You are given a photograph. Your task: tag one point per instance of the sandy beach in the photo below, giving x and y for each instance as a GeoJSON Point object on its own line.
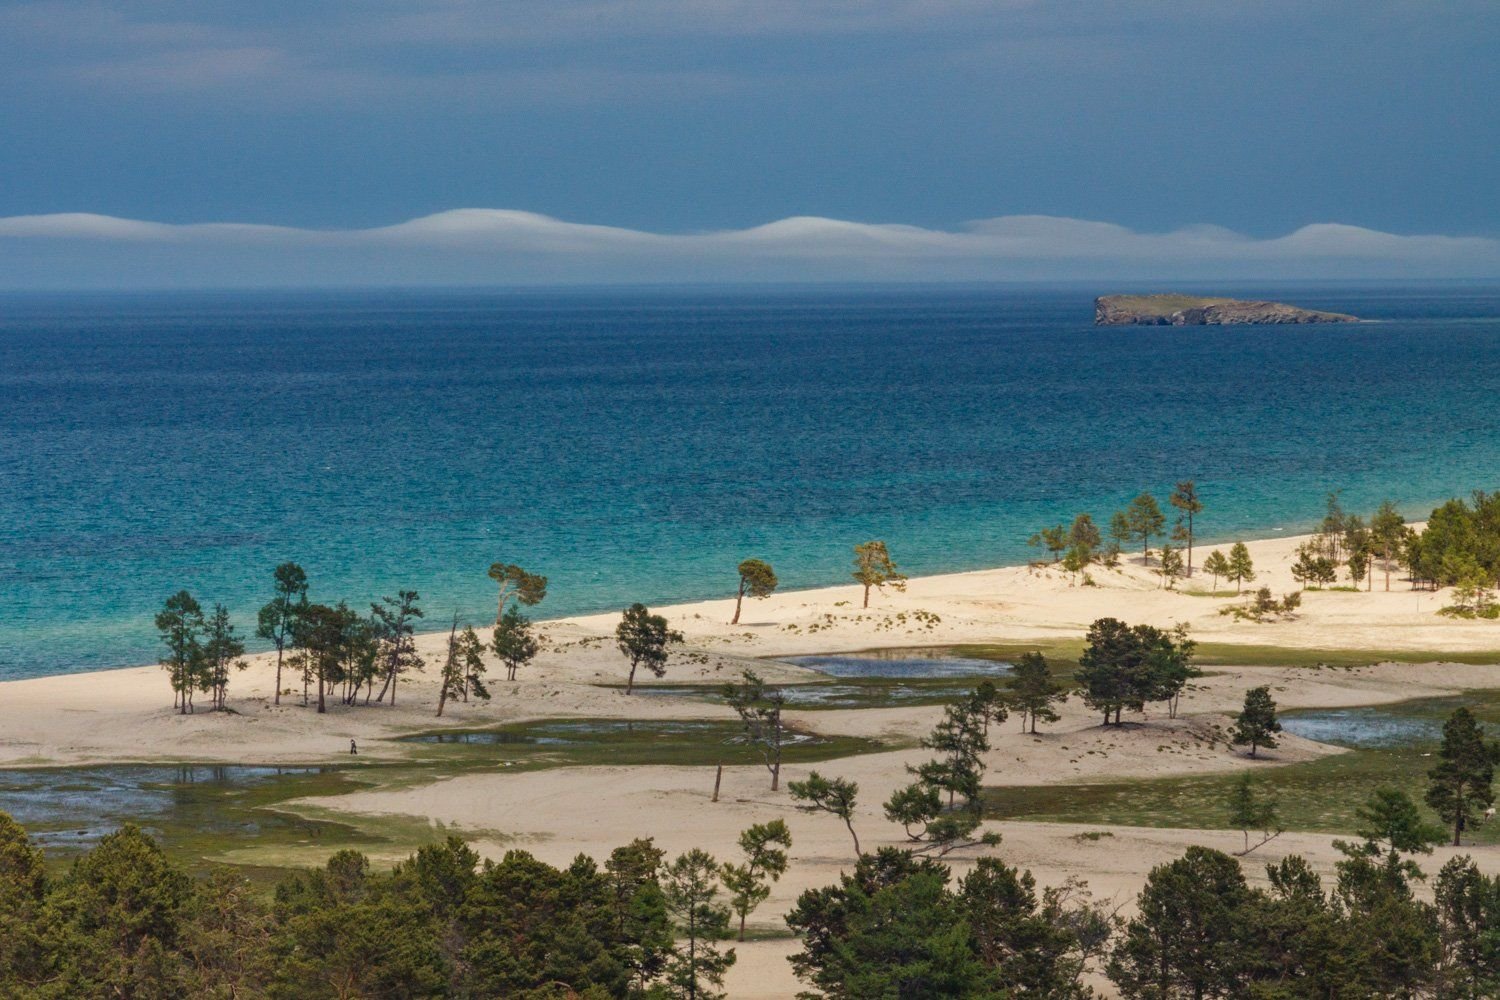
{"type": "Point", "coordinates": [126, 715]}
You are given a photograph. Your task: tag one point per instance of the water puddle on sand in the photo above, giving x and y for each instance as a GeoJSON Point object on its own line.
{"type": "Point", "coordinates": [1405, 724]}
{"type": "Point", "coordinates": [75, 807]}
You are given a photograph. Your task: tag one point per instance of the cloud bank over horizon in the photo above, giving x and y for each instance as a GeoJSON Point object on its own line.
{"type": "Point", "coordinates": [499, 247]}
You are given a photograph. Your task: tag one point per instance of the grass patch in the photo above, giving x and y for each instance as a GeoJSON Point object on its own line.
{"type": "Point", "coordinates": [1318, 795]}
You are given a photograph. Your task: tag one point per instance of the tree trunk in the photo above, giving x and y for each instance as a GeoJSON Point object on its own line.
{"type": "Point", "coordinates": [850, 825]}
{"type": "Point", "coordinates": [776, 775]}
{"type": "Point", "coordinates": [867, 595]}
{"type": "Point", "coordinates": [630, 682]}
{"type": "Point", "coordinates": [1190, 544]}
{"type": "Point", "coordinates": [718, 778]}
{"type": "Point", "coordinates": [739, 599]}
{"type": "Point", "coordinates": [277, 699]}
{"type": "Point", "coordinates": [321, 706]}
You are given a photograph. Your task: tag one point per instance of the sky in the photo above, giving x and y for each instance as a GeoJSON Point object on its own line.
{"type": "Point", "coordinates": [537, 141]}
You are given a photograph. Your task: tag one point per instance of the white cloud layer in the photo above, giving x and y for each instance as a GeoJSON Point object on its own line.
{"type": "Point", "coordinates": [504, 247]}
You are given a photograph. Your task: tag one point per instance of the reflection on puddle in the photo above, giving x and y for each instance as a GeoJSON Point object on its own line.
{"type": "Point", "coordinates": [77, 806]}
{"type": "Point", "coordinates": [1362, 727]}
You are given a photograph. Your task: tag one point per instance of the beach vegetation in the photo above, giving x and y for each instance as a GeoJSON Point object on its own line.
{"type": "Point", "coordinates": [696, 967]}
{"type": "Point", "coordinates": [831, 795]}
{"type": "Point", "coordinates": [874, 568]}
{"type": "Point", "coordinates": [1216, 566]}
{"type": "Point", "coordinates": [514, 641]}
{"type": "Point", "coordinates": [1171, 568]}
{"type": "Point", "coordinates": [1186, 500]}
{"type": "Point", "coordinates": [1240, 568]}
{"type": "Point", "coordinates": [277, 620]}
{"type": "Point", "coordinates": [395, 620]}
{"type": "Point", "coordinates": [181, 626]}
{"type": "Point", "coordinates": [1256, 726]}
{"type": "Point", "coordinates": [463, 668]}
{"type": "Point", "coordinates": [1252, 809]}
{"type": "Point", "coordinates": [1032, 691]}
{"type": "Point", "coordinates": [1124, 666]}
{"type": "Point", "coordinates": [1388, 536]}
{"type": "Point", "coordinates": [516, 583]}
{"type": "Point", "coordinates": [223, 651]}
{"type": "Point", "coordinates": [1141, 521]}
{"type": "Point", "coordinates": [645, 640]}
{"type": "Point", "coordinates": [1312, 568]}
{"type": "Point", "coordinates": [1054, 540]}
{"type": "Point", "coordinates": [893, 927]}
{"type": "Point", "coordinates": [759, 707]}
{"type": "Point", "coordinates": [1461, 786]}
{"type": "Point", "coordinates": [765, 846]}
{"type": "Point", "coordinates": [757, 580]}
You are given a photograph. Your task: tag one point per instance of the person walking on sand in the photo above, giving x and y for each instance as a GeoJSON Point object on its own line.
{"type": "Point", "coordinates": [353, 747]}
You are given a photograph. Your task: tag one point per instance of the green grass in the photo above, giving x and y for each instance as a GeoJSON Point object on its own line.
{"type": "Point", "coordinates": [257, 825]}
{"type": "Point", "coordinates": [1320, 795]}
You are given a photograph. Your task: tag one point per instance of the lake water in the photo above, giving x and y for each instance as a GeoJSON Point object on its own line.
{"type": "Point", "coordinates": [637, 445]}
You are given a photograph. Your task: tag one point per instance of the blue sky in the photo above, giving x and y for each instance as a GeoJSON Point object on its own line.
{"type": "Point", "coordinates": [670, 117]}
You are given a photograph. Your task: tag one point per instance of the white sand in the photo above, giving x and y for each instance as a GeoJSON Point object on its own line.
{"type": "Point", "coordinates": [125, 715]}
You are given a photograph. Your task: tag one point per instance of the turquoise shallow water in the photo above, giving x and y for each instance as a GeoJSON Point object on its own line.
{"type": "Point", "coordinates": [637, 445]}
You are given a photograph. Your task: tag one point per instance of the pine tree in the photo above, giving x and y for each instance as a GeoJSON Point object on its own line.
{"type": "Point", "coordinates": [1216, 566]}
{"type": "Point", "coordinates": [1461, 785]}
{"type": "Point", "coordinates": [645, 640]}
{"type": "Point", "coordinates": [1185, 498]}
{"type": "Point", "coordinates": [749, 884]}
{"type": "Point", "coordinates": [830, 795]}
{"type": "Point", "coordinates": [873, 567]}
{"type": "Point", "coordinates": [757, 579]}
{"type": "Point", "coordinates": [1240, 569]}
{"type": "Point", "coordinates": [1032, 691]}
{"type": "Point", "coordinates": [1256, 725]}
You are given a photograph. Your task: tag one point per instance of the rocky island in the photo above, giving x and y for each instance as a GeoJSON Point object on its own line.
{"type": "Point", "coordinates": [1193, 310]}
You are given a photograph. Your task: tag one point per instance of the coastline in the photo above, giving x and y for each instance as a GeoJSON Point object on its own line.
{"type": "Point", "coordinates": [120, 716]}
{"type": "Point", "coordinates": [125, 714]}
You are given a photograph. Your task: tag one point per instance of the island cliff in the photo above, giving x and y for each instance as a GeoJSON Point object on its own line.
{"type": "Point", "coordinates": [1191, 310]}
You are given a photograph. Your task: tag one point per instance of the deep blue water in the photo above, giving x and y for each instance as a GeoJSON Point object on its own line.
{"type": "Point", "coordinates": [636, 445]}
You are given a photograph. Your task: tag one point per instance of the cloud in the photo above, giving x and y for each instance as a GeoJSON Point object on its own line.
{"type": "Point", "coordinates": [499, 247]}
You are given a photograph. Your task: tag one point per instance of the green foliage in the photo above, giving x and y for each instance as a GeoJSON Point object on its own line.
{"type": "Point", "coordinates": [1468, 908]}
{"type": "Point", "coordinates": [759, 708]}
{"type": "Point", "coordinates": [873, 567]}
{"type": "Point", "coordinates": [463, 667]}
{"type": "Point", "coordinates": [395, 626]}
{"type": "Point", "coordinates": [1313, 568]}
{"type": "Point", "coordinates": [830, 795]}
{"type": "Point", "coordinates": [1185, 498]}
{"type": "Point", "coordinates": [1141, 521]}
{"type": "Point", "coordinates": [1185, 942]}
{"type": "Point", "coordinates": [1124, 666]}
{"type": "Point", "coordinates": [1053, 539]}
{"type": "Point", "coordinates": [1031, 690]}
{"type": "Point", "coordinates": [1216, 566]}
{"type": "Point", "coordinates": [1461, 542]}
{"type": "Point", "coordinates": [1172, 567]}
{"type": "Point", "coordinates": [1256, 726]}
{"type": "Point", "coordinates": [1240, 568]}
{"type": "Point", "coordinates": [222, 651]}
{"type": "Point", "coordinates": [514, 642]}
{"type": "Point", "coordinates": [757, 579]}
{"type": "Point", "coordinates": [894, 928]}
{"type": "Point", "coordinates": [1250, 810]}
{"type": "Point", "coordinates": [181, 625]}
{"type": "Point", "coordinates": [514, 582]}
{"type": "Point", "coordinates": [749, 884]}
{"type": "Point", "coordinates": [1461, 785]}
{"type": "Point", "coordinates": [690, 887]}
{"type": "Point", "coordinates": [277, 620]}
{"type": "Point", "coordinates": [645, 640]}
